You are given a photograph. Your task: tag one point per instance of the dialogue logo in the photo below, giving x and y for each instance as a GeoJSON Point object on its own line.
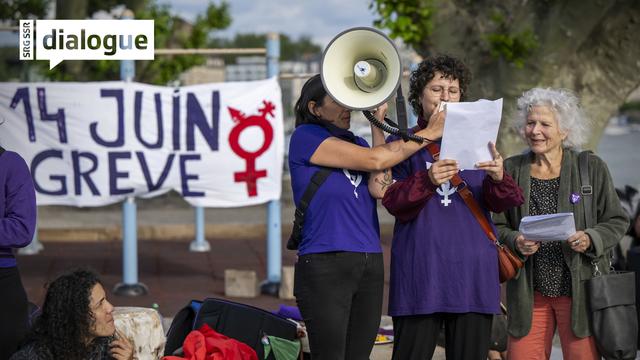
{"type": "Point", "coordinates": [58, 40]}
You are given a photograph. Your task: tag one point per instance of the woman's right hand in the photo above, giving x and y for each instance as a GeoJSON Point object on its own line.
{"type": "Point", "coordinates": [435, 126]}
{"type": "Point", "coordinates": [380, 112]}
{"type": "Point", "coordinates": [526, 247]}
{"type": "Point", "coordinates": [442, 171]}
{"type": "Point", "coordinates": [121, 349]}
{"type": "Point", "coordinates": [377, 134]}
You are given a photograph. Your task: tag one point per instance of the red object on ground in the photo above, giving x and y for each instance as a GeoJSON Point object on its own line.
{"type": "Point", "coordinates": [207, 344]}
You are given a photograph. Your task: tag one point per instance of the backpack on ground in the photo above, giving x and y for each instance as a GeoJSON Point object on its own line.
{"type": "Point", "coordinates": [242, 322]}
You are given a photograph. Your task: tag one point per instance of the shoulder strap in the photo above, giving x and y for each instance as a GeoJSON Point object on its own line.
{"type": "Point", "coordinates": [586, 190]}
{"type": "Point", "coordinates": [317, 180]}
{"type": "Point", "coordinates": [467, 196]}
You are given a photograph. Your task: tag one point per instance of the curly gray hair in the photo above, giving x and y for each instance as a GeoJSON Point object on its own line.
{"type": "Point", "coordinates": [565, 105]}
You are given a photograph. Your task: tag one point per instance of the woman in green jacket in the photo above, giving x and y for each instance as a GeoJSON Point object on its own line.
{"type": "Point", "coordinates": [549, 292]}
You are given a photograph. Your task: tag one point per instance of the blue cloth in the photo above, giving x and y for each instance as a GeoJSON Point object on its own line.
{"type": "Point", "coordinates": [341, 216]}
{"type": "Point", "coordinates": [289, 312]}
{"type": "Point", "coordinates": [17, 206]}
{"type": "Point", "coordinates": [442, 261]}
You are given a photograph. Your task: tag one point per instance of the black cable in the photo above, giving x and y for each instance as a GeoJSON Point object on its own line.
{"type": "Point", "coordinates": [403, 133]}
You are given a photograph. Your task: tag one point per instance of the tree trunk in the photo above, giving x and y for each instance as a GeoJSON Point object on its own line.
{"type": "Point", "coordinates": [73, 9]}
{"type": "Point", "coordinates": [591, 47]}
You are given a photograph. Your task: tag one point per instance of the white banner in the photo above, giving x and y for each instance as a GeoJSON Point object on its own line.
{"type": "Point", "coordinates": [93, 144]}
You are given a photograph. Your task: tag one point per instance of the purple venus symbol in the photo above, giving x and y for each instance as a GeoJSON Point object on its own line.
{"type": "Point", "coordinates": [574, 198]}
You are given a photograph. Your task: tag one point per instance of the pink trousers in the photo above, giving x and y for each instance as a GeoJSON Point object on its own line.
{"type": "Point", "coordinates": [549, 313]}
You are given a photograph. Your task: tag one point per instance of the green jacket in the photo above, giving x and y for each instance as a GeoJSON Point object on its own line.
{"type": "Point", "coordinates": [610, 222]}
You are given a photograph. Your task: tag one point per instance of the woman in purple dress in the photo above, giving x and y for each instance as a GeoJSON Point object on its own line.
{"type": "Point", "coordinates": [444, 270]}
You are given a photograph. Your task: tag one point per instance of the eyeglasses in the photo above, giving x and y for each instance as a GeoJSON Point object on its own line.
{"type": "Point", "coordinates": [436, 91]}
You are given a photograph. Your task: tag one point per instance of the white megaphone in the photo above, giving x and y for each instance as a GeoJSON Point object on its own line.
{"type": "Point", "coordinates": [361, 68]}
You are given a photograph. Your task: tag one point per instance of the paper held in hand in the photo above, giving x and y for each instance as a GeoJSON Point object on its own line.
{"type": "Point", "coordinates": [468, 129]}
{"type": "Point", "coordinates": [552, 227]}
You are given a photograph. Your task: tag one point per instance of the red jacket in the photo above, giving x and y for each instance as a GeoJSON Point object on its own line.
{"type": "Point", "coordinates": [207, 344]}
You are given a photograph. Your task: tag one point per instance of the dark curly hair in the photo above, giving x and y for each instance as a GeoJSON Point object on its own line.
{"type": "Point", "coordinates": [312, 90]}
{"type": "Point", "coordinates": [66, 320]}
{"type": "Point", "coordinates": [449, 66]}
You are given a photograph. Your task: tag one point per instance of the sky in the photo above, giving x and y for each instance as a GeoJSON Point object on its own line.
{"type": "Point", "coordinates": [319, 19]}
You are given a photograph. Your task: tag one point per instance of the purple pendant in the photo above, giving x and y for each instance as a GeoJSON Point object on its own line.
{"type": "Point", "coordinates": [575, 198]}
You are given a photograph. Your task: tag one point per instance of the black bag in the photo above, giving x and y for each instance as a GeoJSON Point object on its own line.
{"type": "Point", "coordinates": [613, 306]}
{"type": "Point", "coordinates": [242, 322]}
{"type": "Point", "coordinates": [316, 180]}
{"type": "Point", "coordinates": [612, 297]}
{"type": "Point", "coordinates": [633, 263]}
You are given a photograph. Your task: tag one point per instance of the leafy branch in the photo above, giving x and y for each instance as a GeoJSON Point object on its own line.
{"type": "Point", "coordinates": [411, 21]}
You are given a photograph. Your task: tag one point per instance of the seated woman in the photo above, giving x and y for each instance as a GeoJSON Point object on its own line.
{"type": "Point", "coordinates": [76, 323]}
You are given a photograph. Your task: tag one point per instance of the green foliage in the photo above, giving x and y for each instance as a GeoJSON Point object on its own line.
{"type": "Point", "coordinates": [107, 5]}
{"type": "Point", "coordinates": [172, 32]}
{"type": "Point", "coordinates": [15, 10]}
{"type": "Point", "coordinates": [514, 47]}
{"type": "Point", "coordinates": [97, 5]}
{"type": "Point", "coordinates": [412, 21]}
{"type": "Point", "coordinates": [409, 20]}
{"type": "Point", "coordinates": [12, 11]}
{"type": "Point", "coordinates": [629, 106]}
{"type": "Point", "coordinates": [10, 69]}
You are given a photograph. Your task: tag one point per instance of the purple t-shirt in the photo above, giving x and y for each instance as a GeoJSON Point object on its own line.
{"type": "Point", "coordinates": [342, 215]}
{"type": "Point", "coordinates": [17, 207]}
{"type": "Point", "coordinates": [442, 261]}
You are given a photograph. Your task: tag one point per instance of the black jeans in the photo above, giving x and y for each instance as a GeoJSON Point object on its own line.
{"type": "Point", "coordinates": [340, 297]}
{"type": "Point", "coordinates": [467, 336]}
{"type": "Point", "coordinates": [13, 311]}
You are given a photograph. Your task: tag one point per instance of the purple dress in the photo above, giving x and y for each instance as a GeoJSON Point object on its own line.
{"type": "Point", "coordinates": [441, 260]}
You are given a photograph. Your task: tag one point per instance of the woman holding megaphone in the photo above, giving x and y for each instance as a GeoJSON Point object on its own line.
{"type": "Point", "coordinates": [339, 275]}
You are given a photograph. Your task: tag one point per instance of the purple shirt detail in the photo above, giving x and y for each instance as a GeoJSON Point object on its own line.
{"type": "Point", "coordinates": [336, 219]}
{"type": "Point", "coordinates": [442, 261]}
{"type": "Point", "coordinates": [17, 206]}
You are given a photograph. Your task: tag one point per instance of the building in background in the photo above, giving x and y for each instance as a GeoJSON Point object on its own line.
{"type": "Point", "coordinates": [213, 71]}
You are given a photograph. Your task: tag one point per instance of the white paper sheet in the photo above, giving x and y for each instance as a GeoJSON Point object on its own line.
{"type": "Point", "coordinates": [552, 227]}
{"type": "Point", "coordinates": [468, 129]}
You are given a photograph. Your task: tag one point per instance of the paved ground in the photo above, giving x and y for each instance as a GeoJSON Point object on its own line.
{"type": "Point", "coordinates": [92, 237]}
{"type": "Point", "coordinates": [172, 274]}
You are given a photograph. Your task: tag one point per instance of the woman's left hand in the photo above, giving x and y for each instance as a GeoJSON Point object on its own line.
{"type": "Point", "coordinates": [579, 242]}
{"type": "Point", "coordinates": [493, 168]}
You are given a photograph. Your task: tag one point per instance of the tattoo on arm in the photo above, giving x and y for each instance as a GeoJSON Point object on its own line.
{"type": "Point", "coordinates": [387, 179]}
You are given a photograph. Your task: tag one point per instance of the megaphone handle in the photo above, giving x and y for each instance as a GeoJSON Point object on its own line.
{"type": "Point", "coordinates": [401, 109]}
{"type": "Point", "coordinates": [406, 136]}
